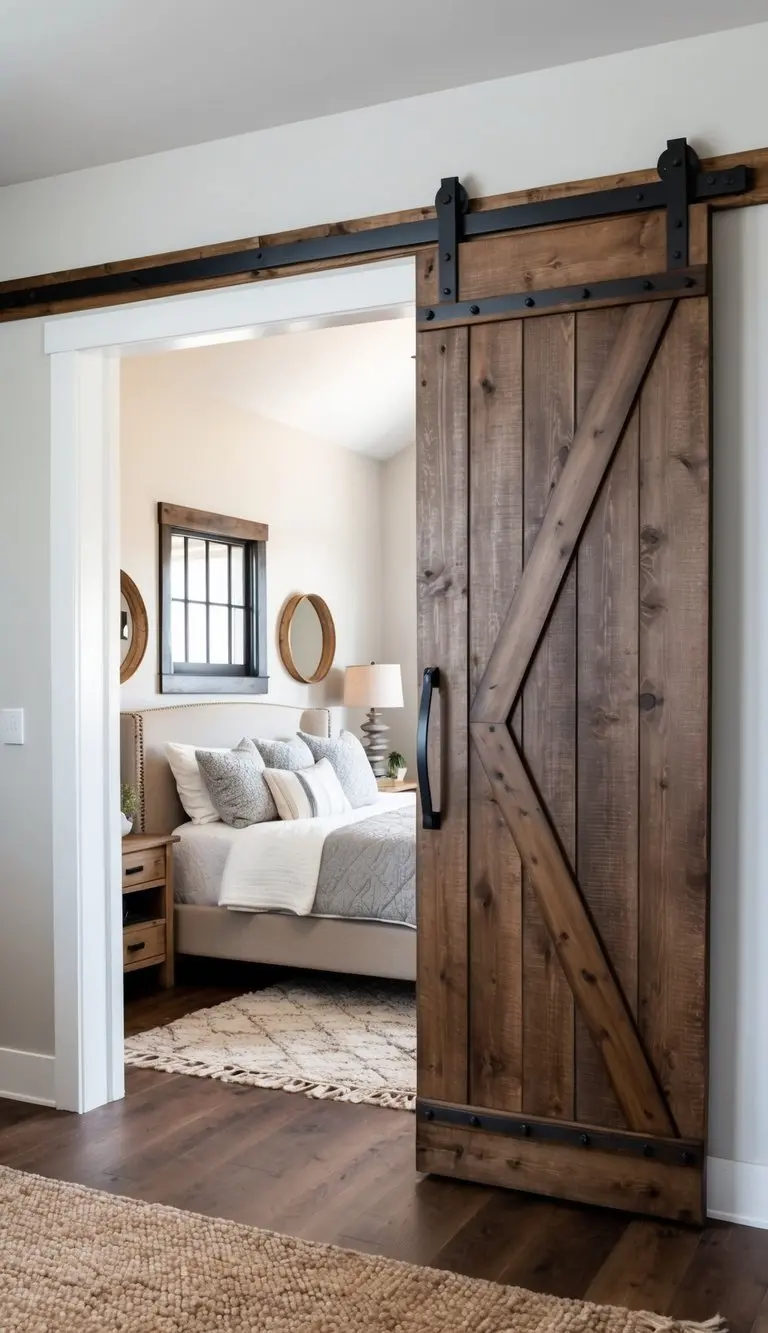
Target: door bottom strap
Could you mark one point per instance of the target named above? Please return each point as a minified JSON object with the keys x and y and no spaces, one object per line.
{"x":677,"y":1152}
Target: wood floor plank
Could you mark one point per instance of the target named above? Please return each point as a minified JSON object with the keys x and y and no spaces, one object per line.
{"x":645,"y":1269}
{"x":728,"y":1276}
{"x":481,"y":1248}
{"x":416,"y":1218}
{"x":562,"y":1247}
{"x":761,"y":1322}
{"x":345,"y":1174}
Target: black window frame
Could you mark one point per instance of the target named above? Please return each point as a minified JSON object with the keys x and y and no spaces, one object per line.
{"x":216,"y":678}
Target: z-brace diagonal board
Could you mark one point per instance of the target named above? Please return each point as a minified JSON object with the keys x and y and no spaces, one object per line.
{"x":590,"y":455}
{"x":583,"y":958}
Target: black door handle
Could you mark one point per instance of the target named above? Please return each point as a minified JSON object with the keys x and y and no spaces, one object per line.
{"x":430,"y":819}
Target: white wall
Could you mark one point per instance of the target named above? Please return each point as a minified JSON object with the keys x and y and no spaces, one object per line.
{"x":739,"y":973}
{"x":608,"y":115}
{"x":182,"y":443}
{"x":26,"y":925}
{"x":398,"y":536}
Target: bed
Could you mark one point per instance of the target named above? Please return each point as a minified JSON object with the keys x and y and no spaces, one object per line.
{"x":340,"y":937}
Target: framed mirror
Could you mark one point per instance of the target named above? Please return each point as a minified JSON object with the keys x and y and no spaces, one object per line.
{"x":134,"y":627}
{"x":307,"y":638}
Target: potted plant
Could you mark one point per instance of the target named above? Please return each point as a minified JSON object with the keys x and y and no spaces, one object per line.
{"x":396,"y":766}
{"x":129,"y":806}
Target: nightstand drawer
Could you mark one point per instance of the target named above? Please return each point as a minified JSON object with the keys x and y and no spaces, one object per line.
{"x":143,"y":944}
{"x":143,"y":867}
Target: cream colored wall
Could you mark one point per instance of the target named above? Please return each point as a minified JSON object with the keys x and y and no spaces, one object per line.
{"x":182,"y":445}
{"x":398,"y":535}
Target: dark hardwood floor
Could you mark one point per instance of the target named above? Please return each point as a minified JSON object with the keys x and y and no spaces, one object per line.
{"x":332,"y":1172}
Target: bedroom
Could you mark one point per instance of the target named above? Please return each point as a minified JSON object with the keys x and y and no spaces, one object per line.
{"x":268,"y":535}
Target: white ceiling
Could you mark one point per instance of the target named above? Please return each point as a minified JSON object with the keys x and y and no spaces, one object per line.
{"x":351,"y":385}
{"x":84,"y":82}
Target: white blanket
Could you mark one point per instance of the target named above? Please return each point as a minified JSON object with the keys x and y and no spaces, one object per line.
{"x":274,"y":867}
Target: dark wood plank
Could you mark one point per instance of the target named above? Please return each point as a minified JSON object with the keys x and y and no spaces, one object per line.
{"x":548,"y":716}
{"x":578,"y":948}
{"x":629,"y":245}
{"x":495,"y":559}
{"x":636,"y":1184}
{"x":442,"y":578}
{"x":674,"y":711}
{"x":645,"y":1268}
{"x":593,"y":446}
{"x":607,"y":799}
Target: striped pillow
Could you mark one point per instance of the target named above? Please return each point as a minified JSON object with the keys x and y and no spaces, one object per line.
{"x":310,"y":793}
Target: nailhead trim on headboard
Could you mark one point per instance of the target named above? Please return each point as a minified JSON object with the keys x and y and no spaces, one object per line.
{"x":137,"y":719}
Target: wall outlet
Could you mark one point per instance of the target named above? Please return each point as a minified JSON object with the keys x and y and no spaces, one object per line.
{"x":12,"y":726}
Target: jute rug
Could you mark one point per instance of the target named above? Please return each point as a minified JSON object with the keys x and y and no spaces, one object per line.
{"x":73,"y":1260}
{"x":351,"y":1042}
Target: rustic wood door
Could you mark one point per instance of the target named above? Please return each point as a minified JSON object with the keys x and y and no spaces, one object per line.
{"x":563,"y":592}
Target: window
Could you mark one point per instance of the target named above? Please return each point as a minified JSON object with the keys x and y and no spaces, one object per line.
{"x":212,"y":603}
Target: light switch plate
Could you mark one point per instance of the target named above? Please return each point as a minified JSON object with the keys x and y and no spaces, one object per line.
{"x":12,"y":726}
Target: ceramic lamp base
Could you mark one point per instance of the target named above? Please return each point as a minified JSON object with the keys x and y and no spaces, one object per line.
{"x":374,"y":739}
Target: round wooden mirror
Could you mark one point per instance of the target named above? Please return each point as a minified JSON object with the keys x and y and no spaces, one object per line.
{"x":134,"y":627}
{"x":307,"y":638}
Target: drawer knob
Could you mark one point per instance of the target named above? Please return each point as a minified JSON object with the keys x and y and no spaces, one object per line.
{"x":133,"y":870}
{"x":134,"y":948}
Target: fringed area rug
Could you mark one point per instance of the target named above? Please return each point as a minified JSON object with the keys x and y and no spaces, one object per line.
{"x":351,"y":1042}
{"x":73,"y":1260}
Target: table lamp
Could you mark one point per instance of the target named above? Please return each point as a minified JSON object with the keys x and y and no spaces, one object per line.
{"x":374,"y":686}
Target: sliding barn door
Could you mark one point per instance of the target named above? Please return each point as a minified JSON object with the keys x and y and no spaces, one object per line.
{"x":563,"y":584}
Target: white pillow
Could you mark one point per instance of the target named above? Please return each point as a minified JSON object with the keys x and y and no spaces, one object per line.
{"x":192,"y":790}
{"x":311,"y":793}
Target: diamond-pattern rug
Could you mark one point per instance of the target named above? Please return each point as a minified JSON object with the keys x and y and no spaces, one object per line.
{"x":350,"y":1042}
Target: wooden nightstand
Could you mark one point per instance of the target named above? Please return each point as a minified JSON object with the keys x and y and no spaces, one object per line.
{"x":389,"y":784}
{"x":148,"y":903}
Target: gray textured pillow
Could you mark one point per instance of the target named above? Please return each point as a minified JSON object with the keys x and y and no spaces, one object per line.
{"x":290,"y":753}
{"x":235,"y":783}
{"x":350,"y":762}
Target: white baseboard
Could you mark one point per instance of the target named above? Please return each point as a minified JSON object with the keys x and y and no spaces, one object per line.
{"x":737,"y":1192}
{"x":26,"y":1076}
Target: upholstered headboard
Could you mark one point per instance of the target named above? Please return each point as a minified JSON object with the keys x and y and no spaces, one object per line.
{"x":144,"y":733}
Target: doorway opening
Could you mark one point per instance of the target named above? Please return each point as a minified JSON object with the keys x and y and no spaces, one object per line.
{"x":93,"y":357}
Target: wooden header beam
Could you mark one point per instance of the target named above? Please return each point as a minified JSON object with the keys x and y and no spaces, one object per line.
{"x":756,"y":161}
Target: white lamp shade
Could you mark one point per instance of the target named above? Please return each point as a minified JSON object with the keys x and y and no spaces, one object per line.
{"x":375,"y":685}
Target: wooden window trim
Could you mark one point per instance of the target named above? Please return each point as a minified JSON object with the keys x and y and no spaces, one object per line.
{"x":215,"y":678}
{"x":208,"y":524}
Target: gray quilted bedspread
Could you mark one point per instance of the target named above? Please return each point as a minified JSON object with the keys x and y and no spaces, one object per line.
{"x":369,"y":869}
